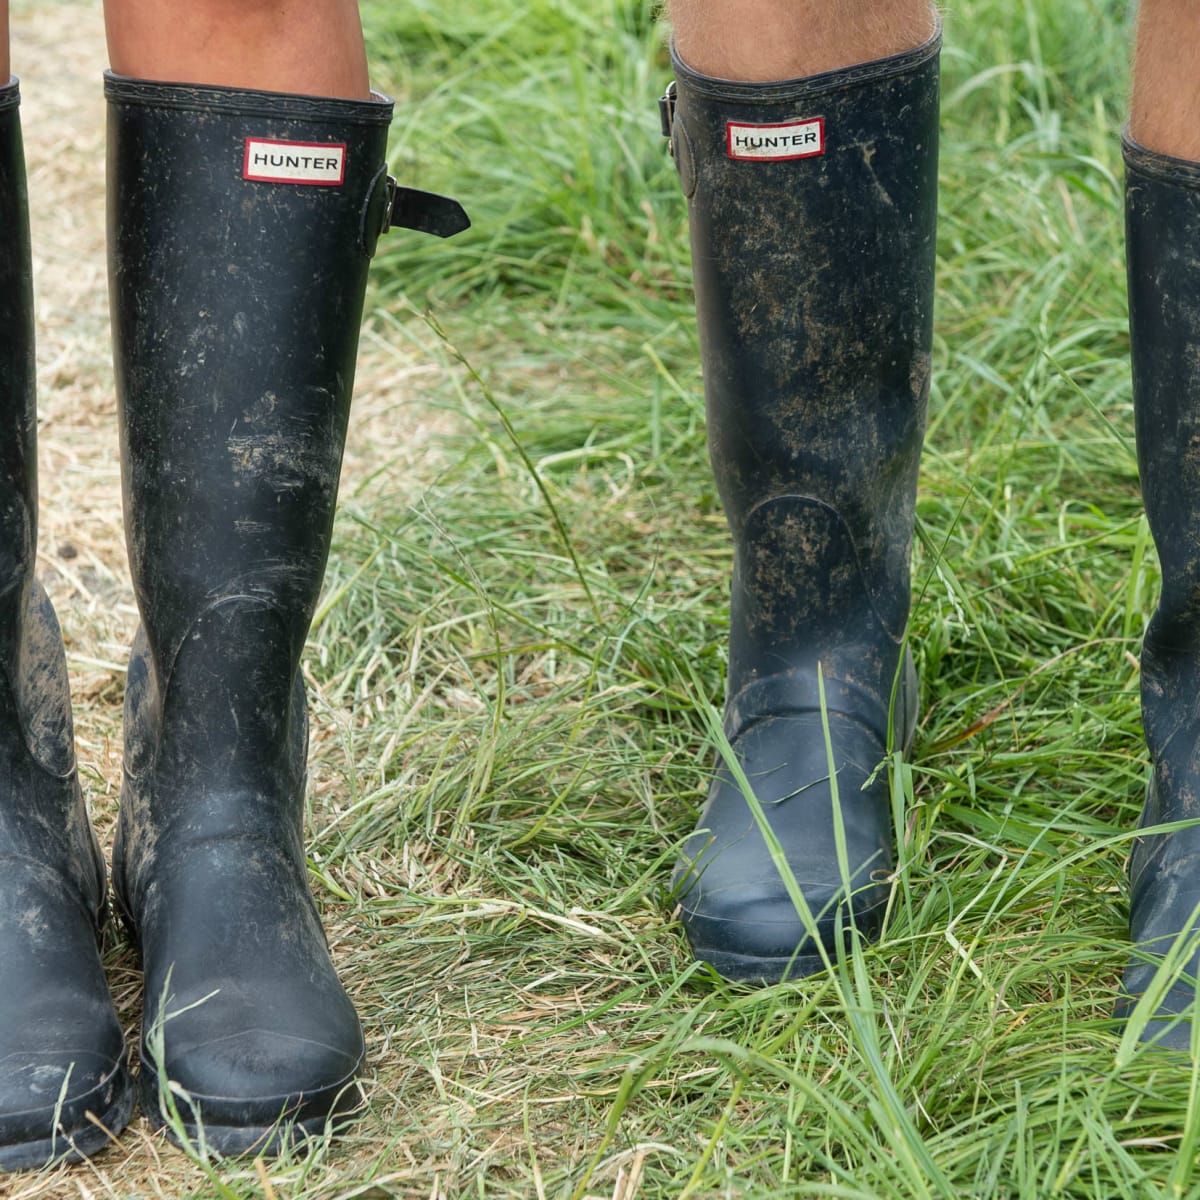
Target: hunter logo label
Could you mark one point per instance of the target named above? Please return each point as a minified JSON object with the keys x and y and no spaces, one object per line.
{"x":776,"y":143}
{"x":270,"y":161}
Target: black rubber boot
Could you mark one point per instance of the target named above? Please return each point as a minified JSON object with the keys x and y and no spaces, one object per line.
{"x":62,"y":1055}
{"x":1162,"y":233}
{"x":813,"y":210}
{"x":241,"y":225}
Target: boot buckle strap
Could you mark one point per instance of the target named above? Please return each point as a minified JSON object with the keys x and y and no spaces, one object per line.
{"x":426,"y":212}
{"x":666,"y":113}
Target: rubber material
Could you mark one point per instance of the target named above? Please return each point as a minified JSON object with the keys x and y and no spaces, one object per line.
{"x":814,"y":291}
{"x":62,"y":1054}
{"x":236,"y":306}
{"x":1162,"y":232}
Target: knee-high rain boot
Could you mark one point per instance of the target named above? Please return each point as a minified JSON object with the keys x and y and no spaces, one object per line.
{"x":1162,"y":232}
{"x":813,"y":210}
{"x":62,"y":1055}
{"x":241,"y":225}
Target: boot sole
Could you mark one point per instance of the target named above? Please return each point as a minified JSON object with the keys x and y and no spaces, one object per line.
{"x":89,"y":1139}
{"x":748,"y":968}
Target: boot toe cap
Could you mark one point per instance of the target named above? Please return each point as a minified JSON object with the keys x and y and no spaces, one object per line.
{"x":735,"y":905}
{"x":258,"y":1089}
{"x":64,"y":1087}
{"x":753,"y":932}
{"x":60,"y":1104}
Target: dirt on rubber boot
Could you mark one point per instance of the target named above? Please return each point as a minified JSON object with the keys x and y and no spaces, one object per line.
{"x":63,"y":1084}
{"x":241,"y":225}
{"x":1162,"y":233}
{"x":813,"y":212}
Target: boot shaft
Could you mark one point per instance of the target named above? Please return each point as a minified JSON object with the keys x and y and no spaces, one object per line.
{"x":48,"y":855}
{"x":1162,"y":212}
{"x":814,"y":276}
{"x":18,"y":413}
{"x":35,"y":707}
{"x":813,"y":215}
{"x":1162,"y":215}
{"x":241,"y":226}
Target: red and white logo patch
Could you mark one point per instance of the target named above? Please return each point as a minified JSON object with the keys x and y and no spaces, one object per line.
{"x":775,"y":143}
{"x":270,"y":161}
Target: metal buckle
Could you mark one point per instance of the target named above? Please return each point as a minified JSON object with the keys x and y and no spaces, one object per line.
{"x":666,"y":111}
{"x":389,"y":203}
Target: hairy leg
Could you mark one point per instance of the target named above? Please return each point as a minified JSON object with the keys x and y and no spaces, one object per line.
{"x":313,"y":47}
{"x":1166,"y":78}
{"x":759,"y":40}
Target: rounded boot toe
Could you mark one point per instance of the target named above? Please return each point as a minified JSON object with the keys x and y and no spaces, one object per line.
{"x":256,"y":1090}
{"x":60,"y":1105}
{"x":752,"y":932}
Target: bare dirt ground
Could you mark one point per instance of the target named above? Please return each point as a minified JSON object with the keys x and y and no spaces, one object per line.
{"x":58,"y":52}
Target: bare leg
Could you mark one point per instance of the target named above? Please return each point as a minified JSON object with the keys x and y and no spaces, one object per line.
{"x":758,"y":40}
{"x":1166,"y":78}
{"x":314,"y":47}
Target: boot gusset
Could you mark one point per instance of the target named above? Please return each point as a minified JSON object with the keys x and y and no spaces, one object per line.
{"x":813,"y":211}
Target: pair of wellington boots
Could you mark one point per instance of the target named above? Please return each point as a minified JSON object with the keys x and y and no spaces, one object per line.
{"x":241,"y":225}
{"x":813,"y":207}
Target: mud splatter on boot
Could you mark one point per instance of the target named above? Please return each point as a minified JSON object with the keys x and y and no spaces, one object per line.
{"x":241,"y":225}
{"x":62,"y":1054}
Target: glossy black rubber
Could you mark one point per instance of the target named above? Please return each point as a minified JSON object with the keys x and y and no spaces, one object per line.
{"x":236,"y":307}
{"x":62,"y":1054}
{"x":1162,"y":233}
{"x":814,"y":293}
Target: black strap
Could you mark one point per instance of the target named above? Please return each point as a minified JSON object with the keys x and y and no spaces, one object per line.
{"x":426,"y":212}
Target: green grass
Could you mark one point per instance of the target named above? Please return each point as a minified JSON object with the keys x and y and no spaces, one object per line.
{"x":547,"y":617}
{"x":516,"y":670}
